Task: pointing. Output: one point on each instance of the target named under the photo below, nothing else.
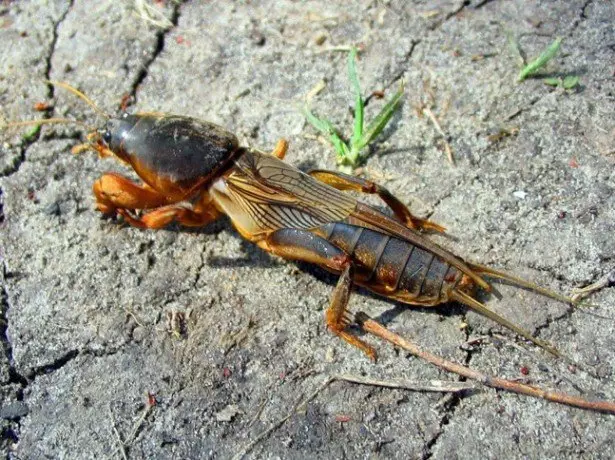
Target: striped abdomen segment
(392, 266)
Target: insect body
(194, 171)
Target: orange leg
(337, 316)
(117, 194)
(280, 149)
(302, 245)
(179, 212)
(114, 192)
(343, 181)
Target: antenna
(46, 121)
(49, 121)
(80, 95)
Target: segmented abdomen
(392, 266)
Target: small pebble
(520, 194)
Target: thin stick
(259, 411)
(442, 386)
(371, 326)
(579, 293)
(327, 49)
(248, 447)
(121, 446)
(449, 152)
(447, 147)
(135, 429)
(138, 424)
(432, 385)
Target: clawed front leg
(116, 194)
(343, 181)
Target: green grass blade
(327, 128)
(31, 134)
(377, 124)
(348, 153)
(322, 125)
(570, 81)
(540, 61)
(358, 100)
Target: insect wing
(276, 195)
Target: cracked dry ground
(86, 302)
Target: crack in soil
(53, 366)
(60, 362)
(52, 47)
(28, 141)
(14, 376)
(407, 57)
(452, 404)
(160, 40)
(481, 4)
(449, 15)
(18, 160)
(10, 433)
(22, 381)
(582, 17)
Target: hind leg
(342, 181)
(302, 245)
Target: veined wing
(276, 195)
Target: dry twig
(413, 385)
(371, 326)
(433, 385)
(121, 446)
(606, 281)
(424, 107)
(133, 434)
(447, 147)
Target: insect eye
(107, 137)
